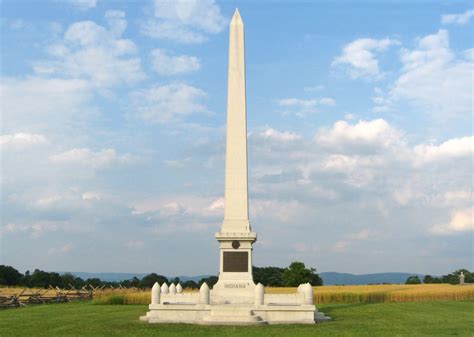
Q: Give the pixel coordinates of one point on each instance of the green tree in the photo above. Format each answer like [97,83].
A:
[67,279]
[297,273]
[134,282]
[95,282]
[79,283]
[149,280]
[268,276]
[468,276]
[39,279]
[9,276]
[190,284]
[413,280]
[55,280]
[176,280]
[428,279]
[211,280]
[452,278]
[25,280]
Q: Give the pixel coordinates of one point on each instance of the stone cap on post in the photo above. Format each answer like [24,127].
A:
[259,294]
[172,289]
[155,293]
[204,294]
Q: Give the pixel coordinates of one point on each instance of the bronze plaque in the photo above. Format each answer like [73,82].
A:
[236,262]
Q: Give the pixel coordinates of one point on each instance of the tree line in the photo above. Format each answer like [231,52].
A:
[452,278]
[291,276]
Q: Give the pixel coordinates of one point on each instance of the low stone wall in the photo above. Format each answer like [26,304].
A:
[179,298]
[292,299]
[170,305]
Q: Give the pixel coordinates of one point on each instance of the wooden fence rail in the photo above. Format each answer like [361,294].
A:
[51,295]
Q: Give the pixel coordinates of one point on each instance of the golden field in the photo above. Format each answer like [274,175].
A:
[9,291]
[334,294]
[322,295]
[387,293]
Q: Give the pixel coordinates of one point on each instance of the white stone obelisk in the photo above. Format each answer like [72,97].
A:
[236,236]
[236,216]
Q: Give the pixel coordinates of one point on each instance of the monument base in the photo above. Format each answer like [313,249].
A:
[232,314]
[220,294]
[221,306]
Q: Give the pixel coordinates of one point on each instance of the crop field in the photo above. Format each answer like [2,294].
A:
[322,295]
[330,294]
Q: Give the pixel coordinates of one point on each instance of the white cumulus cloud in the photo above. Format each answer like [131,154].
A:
[450,149]
[329,101]
[35,229]
[461,221]
[459,19]
[360,57]
[305,103]
[434,79]
[88,157]
[280,136]
[28,102]
[166,64]
[376,132]
[168,103]
[67,248]
[91,195]
[302,107]
[84,4]
[21,140]
[95,53]
[184,21]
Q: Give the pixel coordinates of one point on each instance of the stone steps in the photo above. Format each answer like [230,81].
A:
[233,315]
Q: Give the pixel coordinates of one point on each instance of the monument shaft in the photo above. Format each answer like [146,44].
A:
[236,181]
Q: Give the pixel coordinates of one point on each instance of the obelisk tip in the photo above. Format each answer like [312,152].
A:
[236,17]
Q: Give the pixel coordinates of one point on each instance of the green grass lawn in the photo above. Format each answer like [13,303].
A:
[380,319]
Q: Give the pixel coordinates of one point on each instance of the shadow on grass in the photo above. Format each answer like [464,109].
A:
[332,310]
[329,307]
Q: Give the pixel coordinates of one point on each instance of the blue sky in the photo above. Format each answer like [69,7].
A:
[113,132]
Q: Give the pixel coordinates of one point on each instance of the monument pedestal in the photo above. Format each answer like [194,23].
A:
[235,284]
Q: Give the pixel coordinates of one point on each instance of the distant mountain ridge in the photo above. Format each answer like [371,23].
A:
[334,278]
[118,277]
[329,278]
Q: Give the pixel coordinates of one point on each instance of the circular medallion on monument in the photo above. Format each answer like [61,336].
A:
[235,244]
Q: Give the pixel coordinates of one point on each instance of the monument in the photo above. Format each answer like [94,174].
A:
[236,236]
[234,299]
[461,278]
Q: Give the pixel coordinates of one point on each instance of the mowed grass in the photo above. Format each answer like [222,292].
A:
[331,294]
[445,318]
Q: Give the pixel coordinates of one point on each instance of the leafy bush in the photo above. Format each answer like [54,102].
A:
[413,280]
[297,273]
